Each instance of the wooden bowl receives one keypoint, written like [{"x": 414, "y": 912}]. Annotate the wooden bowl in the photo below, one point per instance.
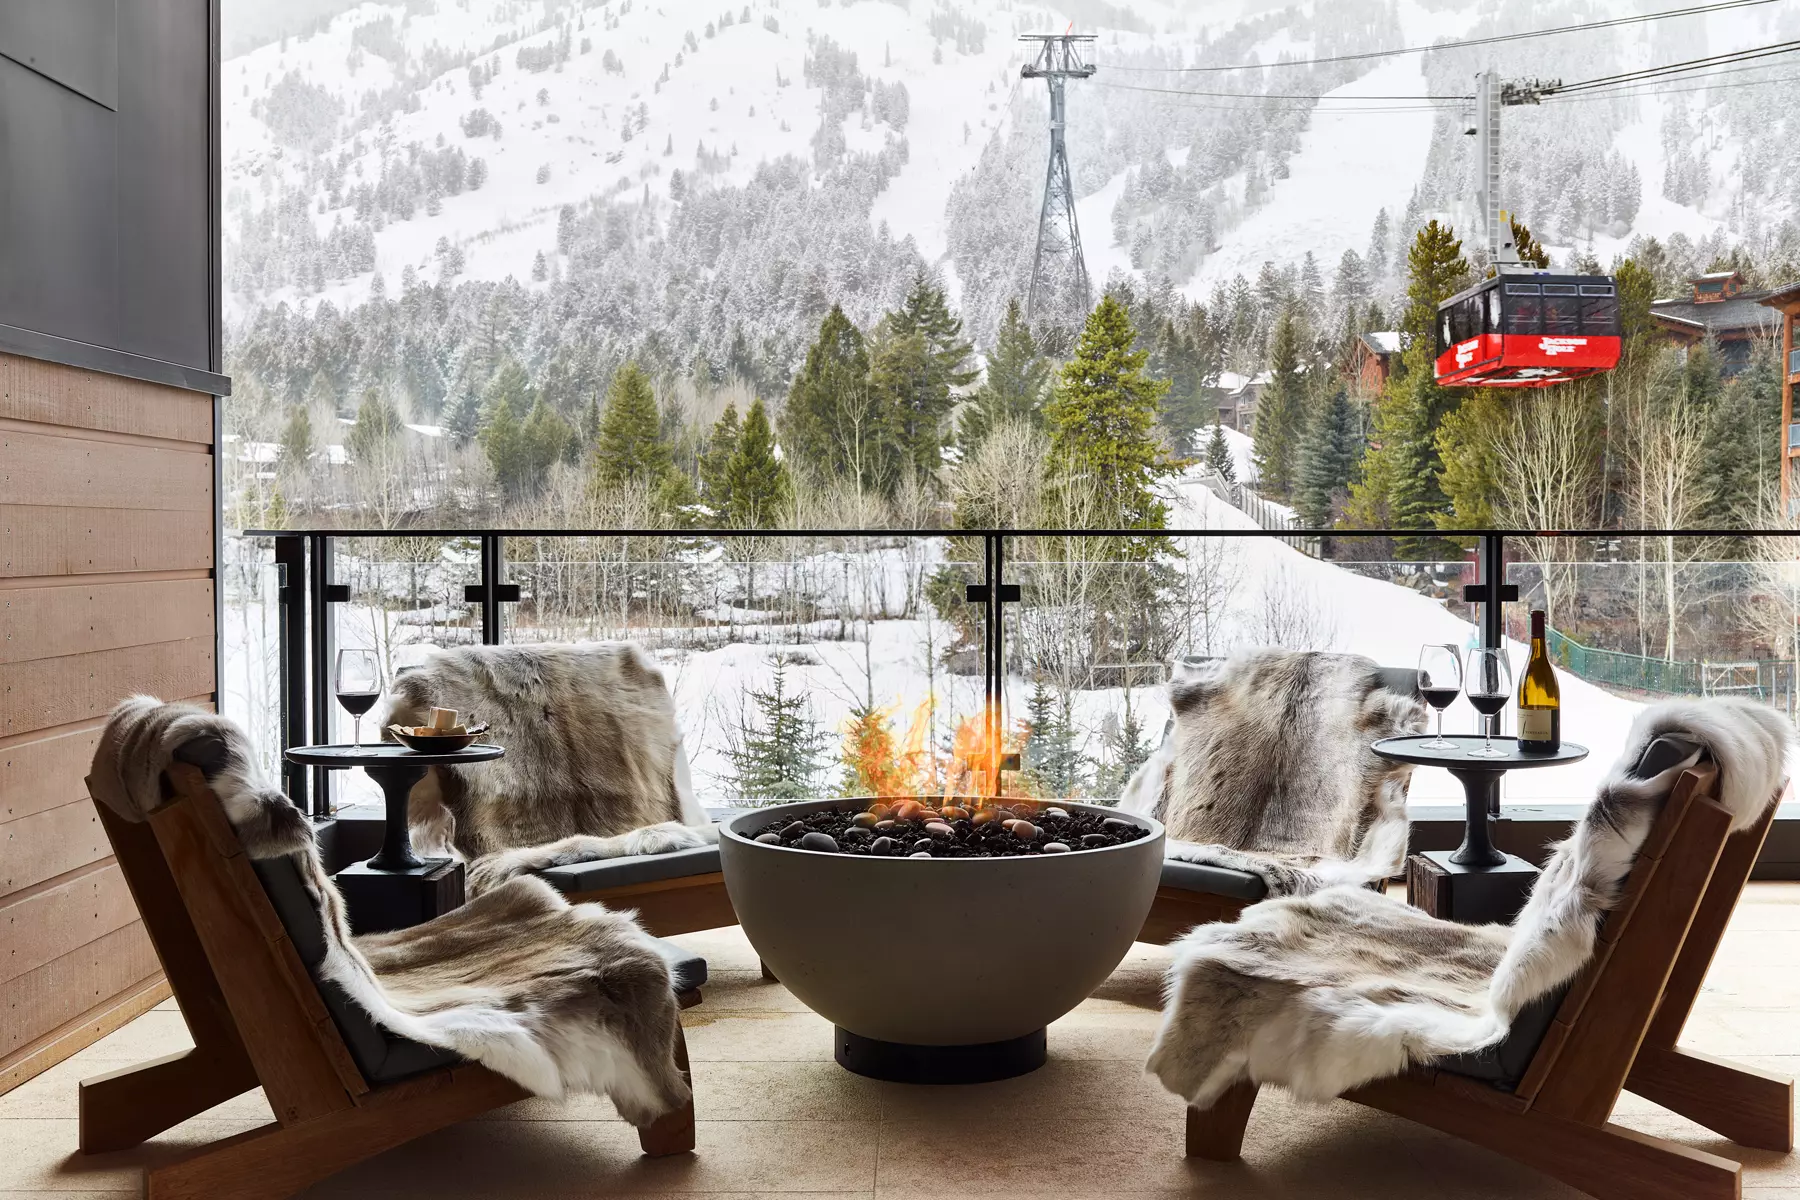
[{"x": 436, "y": 743}]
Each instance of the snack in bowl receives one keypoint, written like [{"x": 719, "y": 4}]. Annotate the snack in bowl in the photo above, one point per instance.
[{"x": 427, "y": 739}]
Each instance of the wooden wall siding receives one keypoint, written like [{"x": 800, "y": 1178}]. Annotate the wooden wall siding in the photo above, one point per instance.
[{"x": 106, "y": 589}]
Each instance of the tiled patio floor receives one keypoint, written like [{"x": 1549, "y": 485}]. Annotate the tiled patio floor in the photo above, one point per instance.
[{"x": 778, "y": 1116}]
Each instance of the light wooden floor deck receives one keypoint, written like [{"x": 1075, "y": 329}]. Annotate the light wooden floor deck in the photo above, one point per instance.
[{"x": 778, "y": 1117}]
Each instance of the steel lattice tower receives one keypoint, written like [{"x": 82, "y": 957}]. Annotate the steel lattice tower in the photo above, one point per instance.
[{"x": 1059, "y": 260}]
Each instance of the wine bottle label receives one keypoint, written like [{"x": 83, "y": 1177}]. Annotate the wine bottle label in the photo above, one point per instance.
[{"x": 1535, "y": 724}]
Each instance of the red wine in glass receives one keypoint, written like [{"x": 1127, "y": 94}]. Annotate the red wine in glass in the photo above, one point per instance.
[
  {"x": 358, "y": 684},
  {"x": 1487, "y": 681},
  {"x": 1440, "y": 682}
]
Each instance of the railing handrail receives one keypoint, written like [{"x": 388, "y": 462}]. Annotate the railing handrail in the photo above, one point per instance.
[{"x": 1171, "y": 532}]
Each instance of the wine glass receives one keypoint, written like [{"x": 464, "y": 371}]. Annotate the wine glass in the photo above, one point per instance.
[
  {"x": 358, "y": 684},
  {"x": 1440, "y": 680},
  {"x": 1488, "y": 684}
]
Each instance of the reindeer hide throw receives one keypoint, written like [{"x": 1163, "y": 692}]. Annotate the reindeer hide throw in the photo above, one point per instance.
[
  {"x": 1322, "y": 993},
  {"x": 558, "y": 997},
  {"x": 594, "y": 766},
  {"x": 1269, "y": 770}
]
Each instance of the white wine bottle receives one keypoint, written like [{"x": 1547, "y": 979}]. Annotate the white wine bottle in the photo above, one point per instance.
[{"x": 1540, "y": 700}]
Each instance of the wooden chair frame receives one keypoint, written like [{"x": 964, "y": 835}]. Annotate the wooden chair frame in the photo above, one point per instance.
[
  {"x": 666, "y": 907},
  {"x": 1175, "y": 911},
  {"x": 1616, "y": 1029},
  {"x": 258, "y": 1019}
]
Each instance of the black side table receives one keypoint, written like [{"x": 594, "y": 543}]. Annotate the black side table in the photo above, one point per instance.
[
  {"x": 1475, "y": 882},
  {"x": 396, "y": 888}
]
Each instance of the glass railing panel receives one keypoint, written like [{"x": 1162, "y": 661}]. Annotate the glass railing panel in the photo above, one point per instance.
[
  {"x": 406, "y": 601},
  {"x": 250, "y": 644},
  {"x": 801, "y": 665},
  {"x": 1634, "y": 620},
  {"x": 1102, "y": 626}
]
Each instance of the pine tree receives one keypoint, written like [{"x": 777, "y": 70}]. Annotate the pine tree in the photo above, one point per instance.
[
  {"x": 296, "y": 439},
  {"x": 630, "y": 448},
  {"x": 1400, "y": 487},
  {"x": 920, "y": 360},
  {"x": 1527, "y": 247},
  {"x": 1281, "y": 410},
  {"x": 462, "y": 418},
  {"x": 873, "y": 761},
  {"x": 1052, "y": 757},
  {"x": 377, "y": 426},
  {"x": 757, "y": 489},
  {"x": 1219, "y": 456},
  {"x": 779, "y": 751},
  {"x": 1127, "y": 749},
  {"x": 721, "y": 443},
  {"x": 1327, "y": 460},
  {"x": 1017, "y": 376},
  {"x": 832, "y": 424},
  {"x": 1102, "y": 422}
]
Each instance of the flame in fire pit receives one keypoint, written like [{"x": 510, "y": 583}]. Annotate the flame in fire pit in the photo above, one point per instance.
[{"x": 882, "y": 765}]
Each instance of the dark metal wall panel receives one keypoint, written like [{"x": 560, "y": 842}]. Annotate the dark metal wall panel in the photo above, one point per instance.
[
  {"x": 74, "y": 42},
  {"x": 107, "y": 217},
  {"x": 59, "y": 219},
  {"x": 165, "y": 255}
]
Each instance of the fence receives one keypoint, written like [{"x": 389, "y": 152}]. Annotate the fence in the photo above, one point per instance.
[{"x": 1054, "y": 642}]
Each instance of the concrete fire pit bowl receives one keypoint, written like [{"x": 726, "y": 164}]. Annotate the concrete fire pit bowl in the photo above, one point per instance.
[{"x": 940, "y": 970}]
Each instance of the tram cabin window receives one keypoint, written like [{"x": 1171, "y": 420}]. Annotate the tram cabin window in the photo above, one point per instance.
[
  {"x": 1463, "y": 321},
  {"x": 1562, "y": 309},
  {"x": 1524, "y": 308},
  {"x": 1599, "y": 310}
]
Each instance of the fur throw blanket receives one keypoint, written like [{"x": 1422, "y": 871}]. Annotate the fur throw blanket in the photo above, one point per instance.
[
  {"x": 557, "y": 997},
  {"x": 1269, "y": 770},
  {"x": 594, "y": 766},
  {"x": 1319, "y": 994}
]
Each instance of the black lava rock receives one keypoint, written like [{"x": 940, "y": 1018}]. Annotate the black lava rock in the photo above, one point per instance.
[{"x": 983, "y": 834}]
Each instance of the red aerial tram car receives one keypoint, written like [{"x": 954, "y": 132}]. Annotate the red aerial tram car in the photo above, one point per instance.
[{"x": 1528, "y": 329}]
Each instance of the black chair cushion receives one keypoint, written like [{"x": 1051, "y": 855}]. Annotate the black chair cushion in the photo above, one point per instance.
[
  {"x": 577, "y": 878},
  {"x": 1216, "y": 881},
  {"x": 1504, "y": 1063},
  {"x": 382, "y": 1057}
]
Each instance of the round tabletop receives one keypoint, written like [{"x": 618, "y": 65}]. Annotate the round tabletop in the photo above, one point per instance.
[
  {"x": 387, "y": 754},
  {"x": 1411, "y": 750}
]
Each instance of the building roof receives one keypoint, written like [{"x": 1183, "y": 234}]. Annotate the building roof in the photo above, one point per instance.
[
  {"x": 1784, "y": 297},
  {"x": 1384, "y": 341},
  {"x": 1743, "y": 313},
  {"x": 1718, "y": 275}
]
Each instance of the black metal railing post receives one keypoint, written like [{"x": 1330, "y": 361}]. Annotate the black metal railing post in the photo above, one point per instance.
[
  {"x": 492, "y": 591},
  {"x": 291, "y": 593},
  {"x": 323, "y": 644},
  {"x": 1492, "y": 593}
]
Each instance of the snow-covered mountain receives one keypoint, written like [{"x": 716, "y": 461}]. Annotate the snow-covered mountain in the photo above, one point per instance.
[{"x": 716, "y": 172}]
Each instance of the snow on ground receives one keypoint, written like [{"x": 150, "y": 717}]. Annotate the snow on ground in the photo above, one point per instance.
[
  {"x": 1093, "y": 214},
  {"x": 1658, "y": 216},
  {"x": 1241, "y": 445},
  {"x": 1336, "y": 184},
  {"x": 1277, "y": 595}
]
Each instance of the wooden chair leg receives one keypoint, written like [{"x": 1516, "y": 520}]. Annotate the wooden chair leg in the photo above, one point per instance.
[
  {"x": 673, "y": 1132},
  {"x": 277, "y": 1161},
  {"x": 1217, "y": 1133},
  {"x": 1751, "y": 1107},
  {"x": 127, "y": 1107},
  {"x": 1608, "y": 1162}
]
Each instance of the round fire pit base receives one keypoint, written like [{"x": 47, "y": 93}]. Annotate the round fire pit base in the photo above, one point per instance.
[{"x": 899, "y": 1062}]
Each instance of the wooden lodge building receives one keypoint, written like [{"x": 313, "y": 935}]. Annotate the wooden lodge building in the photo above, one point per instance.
[{"x": 1719, "y": 305}]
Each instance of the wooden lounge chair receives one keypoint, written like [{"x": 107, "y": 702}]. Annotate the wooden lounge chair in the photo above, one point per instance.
[
  {"x": 234, "y": 939},
  {"x": 1615, "y": 1028}
]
